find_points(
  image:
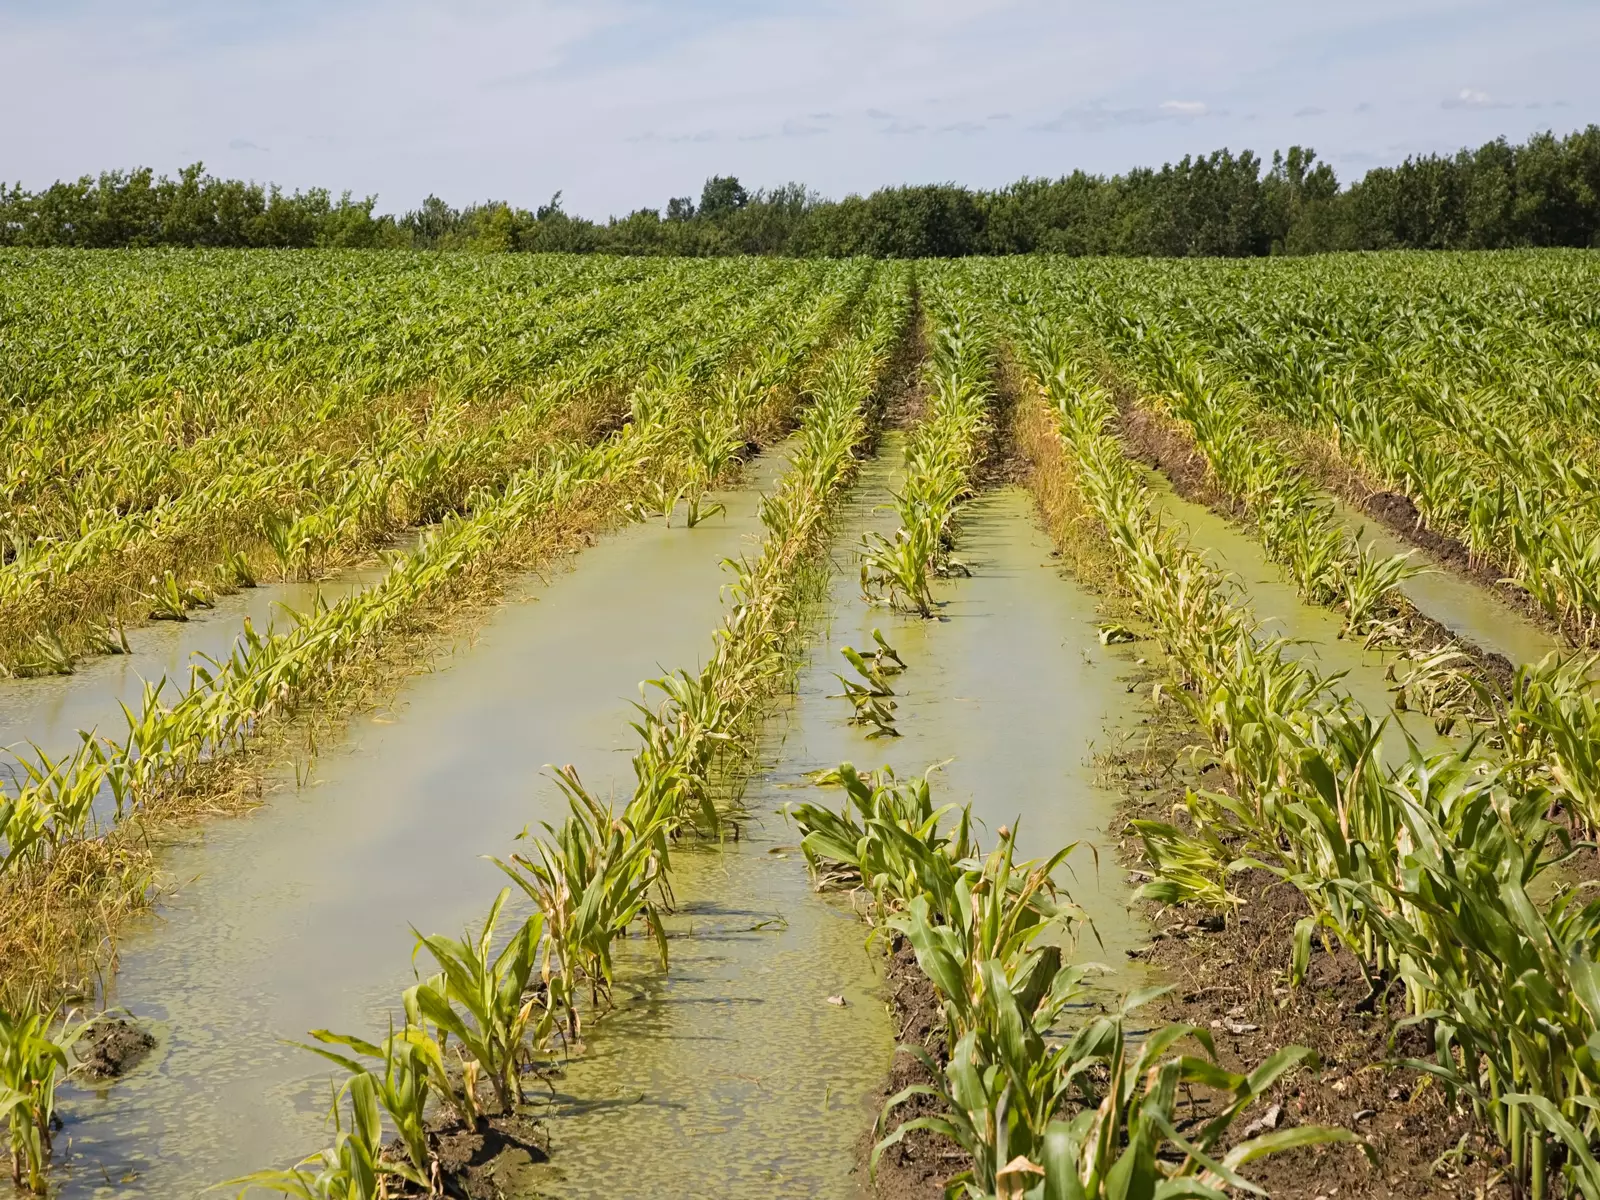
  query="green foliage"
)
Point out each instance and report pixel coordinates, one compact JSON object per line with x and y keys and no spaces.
{"x":1427,"y":871}
{"x":32,"y":1062}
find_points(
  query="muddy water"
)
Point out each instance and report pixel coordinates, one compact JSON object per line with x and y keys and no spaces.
{"x":1465,"y":608}
{"x":1009,"y":689}
{"x":49,"y":711}
{"x":734,"y":1075}
{"x":298,"y":917}
{"x":1281,"y":612}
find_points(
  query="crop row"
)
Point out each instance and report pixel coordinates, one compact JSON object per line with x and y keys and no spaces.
{"x":170,"y":746}
{"x":1485,"y":424}
{"x":1427,"y":871}
{"x":487,"y":1014}
{"x":1039,"y":1116}
{"x":120,"y":528}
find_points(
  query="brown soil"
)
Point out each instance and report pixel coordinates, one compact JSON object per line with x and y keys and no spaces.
{"x":901,"y":399}
{"x":1231,"y":977}
{"x":1005,"y":460}
{"x":111,"y":1047}
{"x":479,"y":1162}
{"x":916,"y":1167}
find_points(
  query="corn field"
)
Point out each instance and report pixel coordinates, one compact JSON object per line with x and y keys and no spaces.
{"x":179,"y":428}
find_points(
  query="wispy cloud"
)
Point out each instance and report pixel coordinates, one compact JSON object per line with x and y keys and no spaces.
{"x":626,"y":102}
{"x":1310,"y":110}
{"x":1096,"y":117}
{"x":1472,"y":98}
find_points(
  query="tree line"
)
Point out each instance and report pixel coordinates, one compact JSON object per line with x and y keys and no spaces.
{"x":1542,"y":192}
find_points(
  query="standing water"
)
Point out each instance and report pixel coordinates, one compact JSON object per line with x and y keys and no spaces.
{"x":299,"y":917}
{"x":1467,"y":609}
{"x":737,"y":1074}
{"x":49,"y":711}
{"x":1314,"y":632}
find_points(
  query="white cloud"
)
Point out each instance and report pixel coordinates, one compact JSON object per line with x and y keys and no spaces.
{"x":1184,"y":108}
{"x":1472,"y":98}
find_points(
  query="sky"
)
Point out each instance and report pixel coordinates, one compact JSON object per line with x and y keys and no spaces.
{"x":621,"y":104}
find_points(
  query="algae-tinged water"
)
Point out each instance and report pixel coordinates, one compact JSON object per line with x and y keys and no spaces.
{"x":49,"y":711}
{"x":733,"y":1074}
{"x":1312,"y":631}
{"x":1467,"y":609}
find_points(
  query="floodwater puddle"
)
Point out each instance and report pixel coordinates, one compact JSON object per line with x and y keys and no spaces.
{"x":735,"y":1074}
{"x":1313,"y":631}
{"x":1465,"y":608}
{"x":48,"y":712}
{"x":1009,"y":694}
{"x":749,"y":1068}
{"x":299,"y":916}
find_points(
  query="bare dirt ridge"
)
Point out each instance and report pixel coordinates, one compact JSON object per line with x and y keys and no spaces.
{"x":916,"y":1167}
{"x":111,"y":1047}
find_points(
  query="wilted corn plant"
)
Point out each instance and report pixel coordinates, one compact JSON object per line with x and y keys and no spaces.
{"x":941,"y":459}
{"x":1423,"y":870}
{"x":269,"y":676}
{"x":870,"y":695}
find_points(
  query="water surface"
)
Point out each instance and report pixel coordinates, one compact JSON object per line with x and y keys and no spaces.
{"x":300,"y":916}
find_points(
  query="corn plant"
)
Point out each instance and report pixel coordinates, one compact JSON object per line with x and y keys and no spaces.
{"x":497,"y":1017}
{"x":413,"y":1071}
{"x":353,"y":1168}
{"x":870,"y":695}
{"x":32,"y":1063}
{"x":1422,"y":870}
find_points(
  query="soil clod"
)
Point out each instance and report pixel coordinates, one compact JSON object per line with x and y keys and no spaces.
{"x":111,"y":1047}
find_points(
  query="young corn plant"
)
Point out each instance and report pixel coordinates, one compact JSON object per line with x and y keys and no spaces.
{"x":870,"y":695}
{"x":353,"y":1168}
{"x":32,"y":1062}
{"x":413,"y":1071}
{"x":591,"y":880}
{"x":497,"y":1018}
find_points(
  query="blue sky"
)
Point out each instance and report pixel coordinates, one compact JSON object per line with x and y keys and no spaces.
{"x":623,"y":103}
